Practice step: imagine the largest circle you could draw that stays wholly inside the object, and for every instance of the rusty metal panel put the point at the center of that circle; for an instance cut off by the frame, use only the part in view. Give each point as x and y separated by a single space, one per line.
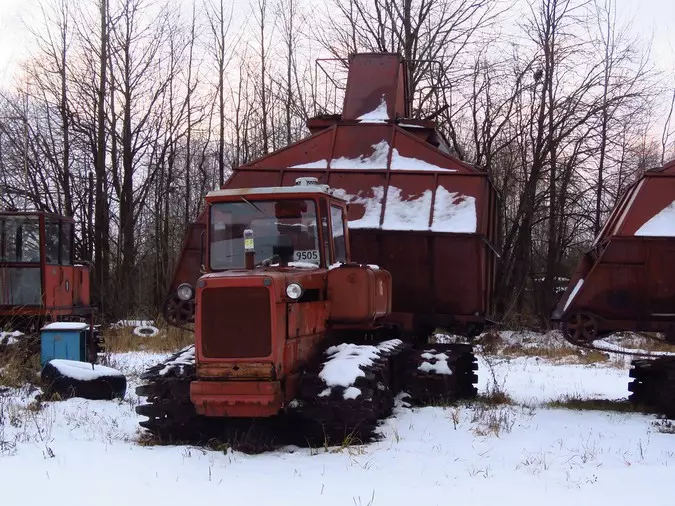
307 318
254 178
236 322
662 280
653 197
626 252
308 151
236 398
358 294
406 256
189 262
362 147
410 149
373 78
455 259
627 280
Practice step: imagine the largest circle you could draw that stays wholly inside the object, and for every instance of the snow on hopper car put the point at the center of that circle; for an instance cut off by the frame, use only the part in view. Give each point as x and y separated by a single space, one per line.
626 281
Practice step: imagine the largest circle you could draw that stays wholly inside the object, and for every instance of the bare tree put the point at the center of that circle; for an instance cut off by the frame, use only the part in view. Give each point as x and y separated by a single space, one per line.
220 22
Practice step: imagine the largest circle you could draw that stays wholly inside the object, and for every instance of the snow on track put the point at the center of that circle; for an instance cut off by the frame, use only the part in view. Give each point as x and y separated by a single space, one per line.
345 365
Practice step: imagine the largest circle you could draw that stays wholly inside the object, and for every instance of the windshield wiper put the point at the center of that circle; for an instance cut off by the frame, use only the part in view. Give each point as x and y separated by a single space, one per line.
254 206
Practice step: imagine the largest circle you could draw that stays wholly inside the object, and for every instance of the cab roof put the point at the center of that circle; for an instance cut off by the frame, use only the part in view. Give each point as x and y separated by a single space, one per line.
303 186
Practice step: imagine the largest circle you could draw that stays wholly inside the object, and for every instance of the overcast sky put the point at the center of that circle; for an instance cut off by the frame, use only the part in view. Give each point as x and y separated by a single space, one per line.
655 17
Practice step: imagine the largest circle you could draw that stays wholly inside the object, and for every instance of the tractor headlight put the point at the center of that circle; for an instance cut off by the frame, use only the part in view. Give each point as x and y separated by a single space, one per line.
294 291
184 292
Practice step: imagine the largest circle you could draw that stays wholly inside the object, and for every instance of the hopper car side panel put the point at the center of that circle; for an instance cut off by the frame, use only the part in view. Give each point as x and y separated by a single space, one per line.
627 280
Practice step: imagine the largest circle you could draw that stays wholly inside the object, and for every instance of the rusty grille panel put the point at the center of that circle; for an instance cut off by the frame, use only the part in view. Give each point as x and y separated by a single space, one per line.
236 322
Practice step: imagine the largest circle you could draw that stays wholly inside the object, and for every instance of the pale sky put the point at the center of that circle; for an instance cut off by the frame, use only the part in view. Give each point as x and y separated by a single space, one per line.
650 16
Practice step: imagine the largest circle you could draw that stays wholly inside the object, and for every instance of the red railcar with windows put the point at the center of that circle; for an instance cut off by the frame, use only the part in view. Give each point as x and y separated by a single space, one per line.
39 278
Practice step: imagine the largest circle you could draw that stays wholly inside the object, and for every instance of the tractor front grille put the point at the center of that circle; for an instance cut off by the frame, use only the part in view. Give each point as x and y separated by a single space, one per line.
236 322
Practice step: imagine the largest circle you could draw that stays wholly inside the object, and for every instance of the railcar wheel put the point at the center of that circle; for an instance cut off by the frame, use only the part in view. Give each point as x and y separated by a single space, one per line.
580 328
179 312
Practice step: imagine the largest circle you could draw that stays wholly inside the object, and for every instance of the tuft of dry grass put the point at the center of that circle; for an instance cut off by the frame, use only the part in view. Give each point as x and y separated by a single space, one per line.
492 420
550 347
168 339
558 353
19 367
577 403
651 342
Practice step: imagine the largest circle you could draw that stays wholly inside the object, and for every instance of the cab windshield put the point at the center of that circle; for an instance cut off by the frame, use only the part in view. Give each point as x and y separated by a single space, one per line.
284 231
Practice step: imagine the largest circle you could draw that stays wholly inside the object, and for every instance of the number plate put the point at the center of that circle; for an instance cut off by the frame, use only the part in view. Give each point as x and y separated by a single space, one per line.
308 255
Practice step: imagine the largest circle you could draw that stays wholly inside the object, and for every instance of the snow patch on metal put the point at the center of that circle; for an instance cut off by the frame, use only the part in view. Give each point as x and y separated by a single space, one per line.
400 162
66 326
435 362
319 164
187 357
377 160
453 213
372 205
661 225
577 287
343 366
403 214
377 115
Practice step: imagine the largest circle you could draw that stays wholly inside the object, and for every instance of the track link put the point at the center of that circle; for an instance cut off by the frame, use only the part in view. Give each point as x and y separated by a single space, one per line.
171 415
441 374
653 385
337 414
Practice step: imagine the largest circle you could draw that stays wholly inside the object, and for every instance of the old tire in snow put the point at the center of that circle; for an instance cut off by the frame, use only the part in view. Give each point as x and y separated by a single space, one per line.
146 331
71 378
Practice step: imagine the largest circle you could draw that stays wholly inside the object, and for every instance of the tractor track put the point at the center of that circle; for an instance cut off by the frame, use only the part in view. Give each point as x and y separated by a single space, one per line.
653 385
322 414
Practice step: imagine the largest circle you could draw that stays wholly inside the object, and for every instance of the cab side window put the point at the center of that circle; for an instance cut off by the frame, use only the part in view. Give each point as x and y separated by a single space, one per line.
338 234
324 227
52 233
66 243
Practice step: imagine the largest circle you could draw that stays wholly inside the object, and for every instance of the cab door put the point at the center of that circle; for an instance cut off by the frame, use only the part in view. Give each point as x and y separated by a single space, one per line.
59 275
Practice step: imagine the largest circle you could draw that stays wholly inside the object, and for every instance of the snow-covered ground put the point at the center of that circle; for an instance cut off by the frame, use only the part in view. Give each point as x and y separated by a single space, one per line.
81 452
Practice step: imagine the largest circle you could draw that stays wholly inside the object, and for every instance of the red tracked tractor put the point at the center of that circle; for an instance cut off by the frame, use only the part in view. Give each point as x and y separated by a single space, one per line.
626 282
316 275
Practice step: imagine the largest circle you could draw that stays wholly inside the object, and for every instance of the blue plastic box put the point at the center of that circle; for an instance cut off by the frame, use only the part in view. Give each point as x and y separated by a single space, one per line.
64 340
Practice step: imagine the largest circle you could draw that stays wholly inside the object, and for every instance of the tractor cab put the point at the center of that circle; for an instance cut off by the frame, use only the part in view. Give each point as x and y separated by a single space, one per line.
301 226
39 279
